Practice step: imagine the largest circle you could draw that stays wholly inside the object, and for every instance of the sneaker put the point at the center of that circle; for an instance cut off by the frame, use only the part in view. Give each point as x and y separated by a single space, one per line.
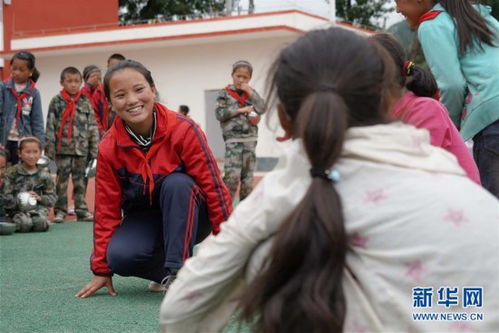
164 285
87 217
71 212
59 217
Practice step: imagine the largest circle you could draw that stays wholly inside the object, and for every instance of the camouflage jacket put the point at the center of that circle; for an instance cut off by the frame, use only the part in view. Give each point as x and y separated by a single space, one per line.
2 199
17 180
85 134
235 125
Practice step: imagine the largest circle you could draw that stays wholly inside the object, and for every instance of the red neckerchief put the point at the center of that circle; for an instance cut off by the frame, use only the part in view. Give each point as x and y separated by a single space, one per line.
429 16
102 107
241 99
145 167
68 114
19 98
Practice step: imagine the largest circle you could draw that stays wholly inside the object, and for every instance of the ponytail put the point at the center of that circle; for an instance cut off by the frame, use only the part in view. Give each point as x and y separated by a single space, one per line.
422 82
35 75
302 282
415 78
470 24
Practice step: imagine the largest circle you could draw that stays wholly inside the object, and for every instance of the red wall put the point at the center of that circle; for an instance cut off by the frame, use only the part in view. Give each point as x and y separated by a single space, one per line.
35 15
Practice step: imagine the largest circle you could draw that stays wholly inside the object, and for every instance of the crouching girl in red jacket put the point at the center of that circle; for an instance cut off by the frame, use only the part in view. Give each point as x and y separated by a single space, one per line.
157 186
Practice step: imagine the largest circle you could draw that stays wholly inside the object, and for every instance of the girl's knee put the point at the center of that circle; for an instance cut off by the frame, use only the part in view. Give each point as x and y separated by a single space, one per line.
23 222
40 224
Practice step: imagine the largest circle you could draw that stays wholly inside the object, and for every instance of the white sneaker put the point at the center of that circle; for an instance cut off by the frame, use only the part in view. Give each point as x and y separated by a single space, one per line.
156 287
164 285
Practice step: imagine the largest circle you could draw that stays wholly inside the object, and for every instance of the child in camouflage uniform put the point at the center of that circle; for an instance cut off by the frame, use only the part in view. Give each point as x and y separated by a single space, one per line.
26 176
72 138
3 168
238 109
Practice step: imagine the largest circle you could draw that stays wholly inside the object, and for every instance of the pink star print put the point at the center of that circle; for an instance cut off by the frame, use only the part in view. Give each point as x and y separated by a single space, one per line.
358 327
417 141
358 240
455 216
415 270
192 296
375 196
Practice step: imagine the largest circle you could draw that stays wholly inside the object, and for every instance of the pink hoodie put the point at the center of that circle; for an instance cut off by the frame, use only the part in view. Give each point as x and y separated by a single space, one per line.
428 113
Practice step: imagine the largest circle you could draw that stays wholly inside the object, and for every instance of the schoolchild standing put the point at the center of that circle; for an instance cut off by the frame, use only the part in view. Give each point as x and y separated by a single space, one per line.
21 110
466 66
3 168
239 108
91 80
72 139
104 116
27 176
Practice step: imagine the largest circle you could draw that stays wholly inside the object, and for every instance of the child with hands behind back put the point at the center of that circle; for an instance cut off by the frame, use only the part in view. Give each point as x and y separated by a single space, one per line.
72 139
21 113
27 177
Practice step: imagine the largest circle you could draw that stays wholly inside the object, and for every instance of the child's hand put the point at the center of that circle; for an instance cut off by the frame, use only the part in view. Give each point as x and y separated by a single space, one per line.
247 88
35 195
245 110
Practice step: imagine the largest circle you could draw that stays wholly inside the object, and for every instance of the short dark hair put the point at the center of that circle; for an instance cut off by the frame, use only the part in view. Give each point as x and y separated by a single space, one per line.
70 70
184 109
28 139
117 56
242 64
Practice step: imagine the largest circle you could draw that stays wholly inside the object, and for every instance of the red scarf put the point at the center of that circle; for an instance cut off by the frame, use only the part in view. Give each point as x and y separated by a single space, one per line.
145 167
429 16
241 99
19 99
68 114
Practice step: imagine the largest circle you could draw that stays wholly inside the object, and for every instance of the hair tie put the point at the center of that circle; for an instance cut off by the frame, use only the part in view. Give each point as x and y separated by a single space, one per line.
408 68
326 87
329 175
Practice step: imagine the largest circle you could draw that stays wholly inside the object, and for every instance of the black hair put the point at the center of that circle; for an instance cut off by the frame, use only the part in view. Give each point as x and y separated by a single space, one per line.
117 56
28 139
421 81
472 28
88 70
30 60
184 109
126 64
242 64
70 70
326 81
4 153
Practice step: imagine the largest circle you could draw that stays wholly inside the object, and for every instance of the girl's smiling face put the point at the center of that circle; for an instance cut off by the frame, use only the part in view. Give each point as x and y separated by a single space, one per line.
20 71
413 9
29 154
132 97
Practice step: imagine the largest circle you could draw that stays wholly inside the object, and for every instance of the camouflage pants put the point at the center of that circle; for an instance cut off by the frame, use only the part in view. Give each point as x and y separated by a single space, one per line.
75 166
33 220
239 164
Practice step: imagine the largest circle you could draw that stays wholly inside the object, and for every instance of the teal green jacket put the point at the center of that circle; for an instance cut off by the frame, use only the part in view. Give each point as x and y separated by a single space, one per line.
468 83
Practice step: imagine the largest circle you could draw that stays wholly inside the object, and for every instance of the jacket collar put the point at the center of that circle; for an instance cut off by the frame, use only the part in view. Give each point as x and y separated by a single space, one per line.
10 85
165 123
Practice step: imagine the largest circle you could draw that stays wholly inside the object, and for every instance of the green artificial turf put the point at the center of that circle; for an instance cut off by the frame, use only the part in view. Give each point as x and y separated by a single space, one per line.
40 274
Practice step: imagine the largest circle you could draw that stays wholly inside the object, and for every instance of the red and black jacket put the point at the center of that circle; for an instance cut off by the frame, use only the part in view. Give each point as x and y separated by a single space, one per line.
124 174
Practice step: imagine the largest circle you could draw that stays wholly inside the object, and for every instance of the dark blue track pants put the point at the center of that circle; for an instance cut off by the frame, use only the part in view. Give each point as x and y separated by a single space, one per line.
148 243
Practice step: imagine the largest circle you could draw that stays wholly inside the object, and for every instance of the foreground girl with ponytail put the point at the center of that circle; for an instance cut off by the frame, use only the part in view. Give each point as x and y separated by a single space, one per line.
358 212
